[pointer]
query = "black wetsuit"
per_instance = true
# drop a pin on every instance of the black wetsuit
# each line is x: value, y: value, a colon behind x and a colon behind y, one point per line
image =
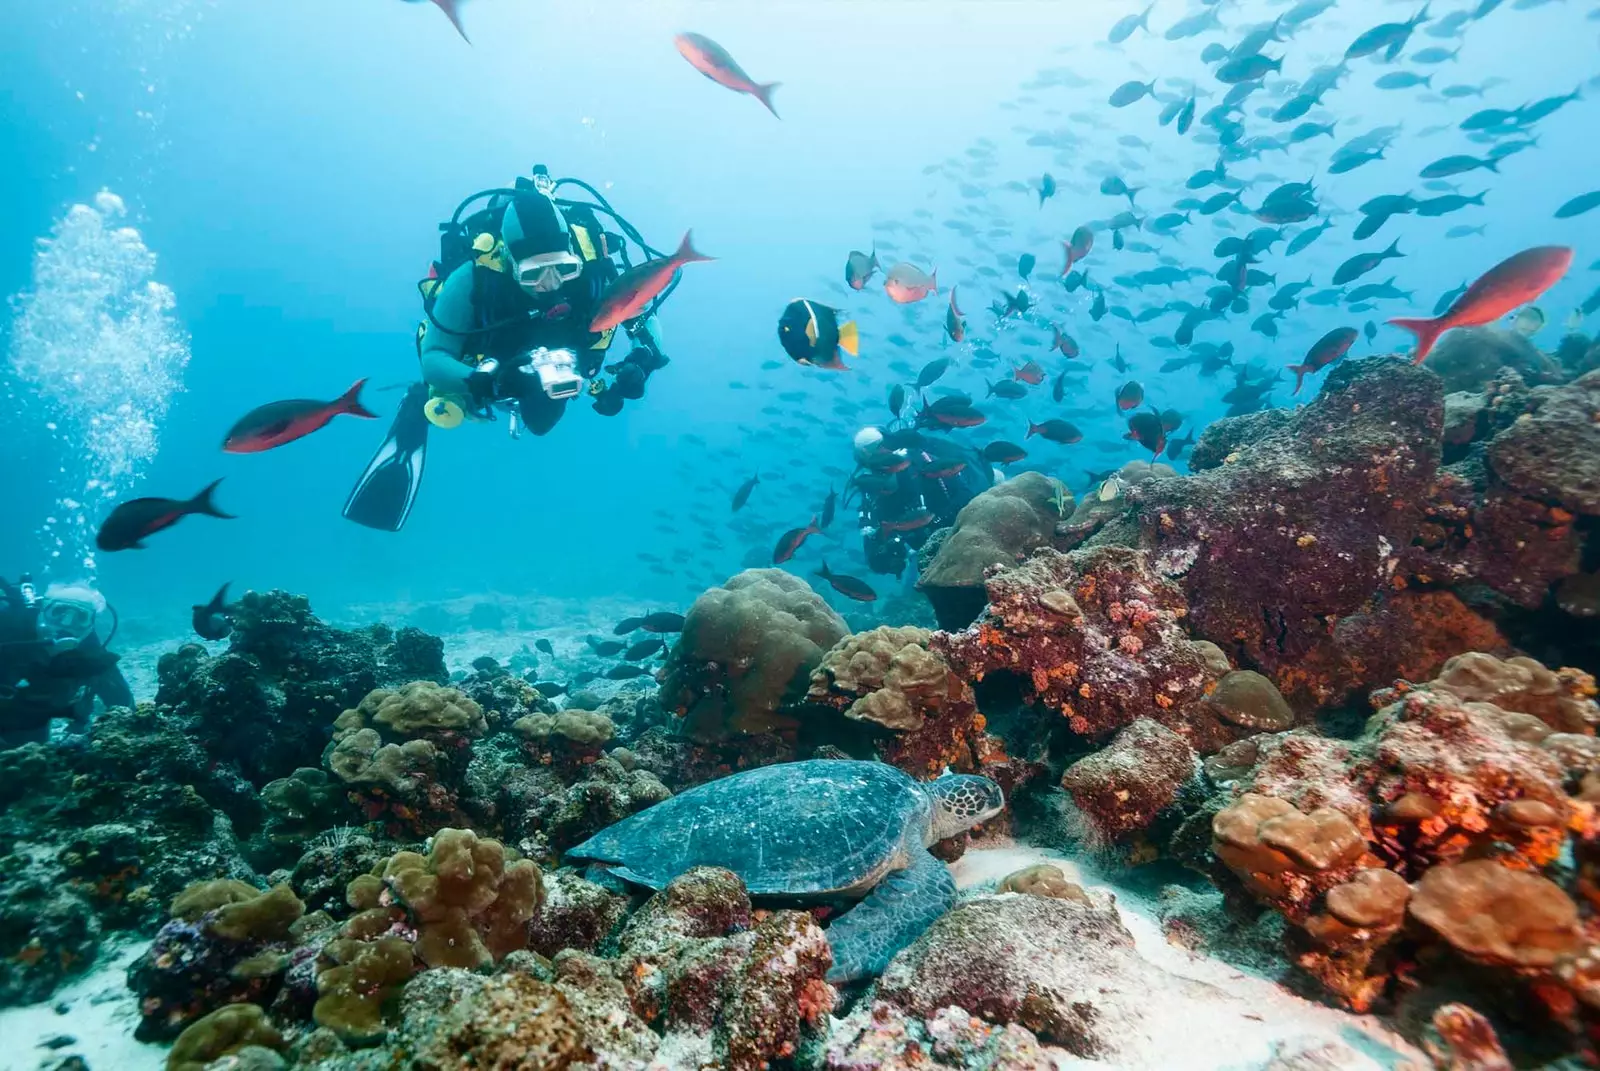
x: 915, y: 493
x: 40, y: 682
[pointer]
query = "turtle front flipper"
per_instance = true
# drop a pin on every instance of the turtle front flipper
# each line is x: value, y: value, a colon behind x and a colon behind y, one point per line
x: 894, y: 914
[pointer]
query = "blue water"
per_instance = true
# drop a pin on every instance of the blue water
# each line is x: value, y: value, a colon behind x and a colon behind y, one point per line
x: 288, y: 162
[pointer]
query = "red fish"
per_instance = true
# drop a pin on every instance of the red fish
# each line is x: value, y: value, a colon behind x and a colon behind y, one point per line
x: 945, y: 471
x: 790, y: 541
x: 1130, y: 395
x: 1064, y: 342
x: 132, y: 521
x: 1328, y: 348
x: 954, y: 325
x: 713, y: 61
x: 1029, y: 373
x: 638, y: 286
x: 1508, y: 285
x: 276, y: 423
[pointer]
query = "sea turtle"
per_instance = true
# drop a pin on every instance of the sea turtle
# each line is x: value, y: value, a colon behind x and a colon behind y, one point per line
x: 817, y: 830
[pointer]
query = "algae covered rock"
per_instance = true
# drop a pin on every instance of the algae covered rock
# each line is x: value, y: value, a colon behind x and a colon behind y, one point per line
x: 1120, y: 789
x: 1001, y: 526
x: 1468, y: 358
x: 222, y: 1033
x: 1553, y: 453
x: 1299, y: 524
x: 1094, y: 635
x: 747, y: 647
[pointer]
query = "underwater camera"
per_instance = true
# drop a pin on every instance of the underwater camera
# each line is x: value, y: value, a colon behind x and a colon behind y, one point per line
x: 557, y: 371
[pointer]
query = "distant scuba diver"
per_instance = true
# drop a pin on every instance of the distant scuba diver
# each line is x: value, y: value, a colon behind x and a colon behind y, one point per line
x: 507, y: 313
x: 53, y: 663
x: 910, y: 485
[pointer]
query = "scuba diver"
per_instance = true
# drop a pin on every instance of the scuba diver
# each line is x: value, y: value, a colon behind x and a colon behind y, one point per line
x: 911, y: 485
x: 507, y: 308
x: 53, y: 663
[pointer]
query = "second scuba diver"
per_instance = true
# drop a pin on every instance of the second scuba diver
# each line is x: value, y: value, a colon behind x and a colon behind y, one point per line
x: 911, y: 485
x: 53, y: 663
x: 507, y: 312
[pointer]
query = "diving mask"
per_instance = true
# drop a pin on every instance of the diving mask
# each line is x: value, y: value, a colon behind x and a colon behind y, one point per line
x: 545, y: 273
x: 65, y: 622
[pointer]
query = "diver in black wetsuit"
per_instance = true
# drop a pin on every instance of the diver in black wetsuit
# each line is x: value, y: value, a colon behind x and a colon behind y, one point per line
x: 508, y: 307
x: 911, y: 485
x: 53, y: 663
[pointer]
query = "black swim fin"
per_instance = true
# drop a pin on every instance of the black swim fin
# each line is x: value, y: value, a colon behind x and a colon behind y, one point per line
x: 384, y: 495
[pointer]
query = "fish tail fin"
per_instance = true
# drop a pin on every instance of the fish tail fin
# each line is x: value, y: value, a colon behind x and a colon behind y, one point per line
x: 350, y: 401
x: 1032, y: 429
x: 687, y: 253
x: 823, y: 572
x: 1394, y: 249
x: 850, y: 338
x: 762, y: 91
x: 1492, y: 164
x: 811, y: 525
x: 220, y: 599
x: 201, y: 503
x: 1299, y: 371
x: 1427, y: 332
x: 933, y: 280
x: 452, y: 12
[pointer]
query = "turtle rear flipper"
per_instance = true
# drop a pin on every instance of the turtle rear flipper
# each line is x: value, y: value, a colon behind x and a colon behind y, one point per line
x: 894, y: 914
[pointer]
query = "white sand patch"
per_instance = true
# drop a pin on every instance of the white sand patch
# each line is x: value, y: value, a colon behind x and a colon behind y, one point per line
x: 100, y: 1015
x: 1232, y: 1020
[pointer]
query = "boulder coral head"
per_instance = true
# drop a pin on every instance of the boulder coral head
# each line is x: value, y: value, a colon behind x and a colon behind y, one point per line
x: 1001, y: 526
x: 747, y: 647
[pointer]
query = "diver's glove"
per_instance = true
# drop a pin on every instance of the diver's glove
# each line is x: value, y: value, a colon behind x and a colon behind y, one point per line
x: 642, y: 358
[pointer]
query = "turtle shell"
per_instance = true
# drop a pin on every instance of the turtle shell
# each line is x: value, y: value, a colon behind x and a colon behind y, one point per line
x: 816, y: 827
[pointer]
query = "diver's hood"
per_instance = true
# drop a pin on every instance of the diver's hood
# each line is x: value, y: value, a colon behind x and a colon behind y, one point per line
x: 867, y: 443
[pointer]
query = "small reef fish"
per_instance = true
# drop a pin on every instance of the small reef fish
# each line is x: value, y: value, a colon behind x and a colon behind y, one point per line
x: 662, y: 621
x: 848, y: 586
x: 276, y: 423
x: 1130, y: 395
x: 713, y: 61
x: 132, y: 522
x: 1514, y: 282
x: 907, y: 283
x: 1057, y: 431
x: 811, y: 334
x: 741, y: 496
x: 1327, y: 349
x: 859, y: 268
x: 212, y: 621
x: 638, y: 286
x: 790, y: 541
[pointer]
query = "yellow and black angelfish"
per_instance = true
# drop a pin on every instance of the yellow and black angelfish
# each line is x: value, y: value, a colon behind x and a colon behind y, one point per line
x: 812, y: 334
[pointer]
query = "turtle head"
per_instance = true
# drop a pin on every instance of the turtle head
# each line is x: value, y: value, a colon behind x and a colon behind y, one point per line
x: 961, y: 801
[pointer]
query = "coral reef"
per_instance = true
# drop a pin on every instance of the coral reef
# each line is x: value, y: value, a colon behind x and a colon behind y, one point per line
x: 222, y: 1033
x: 888, y: 677
x: 746, y: 648
x: 403, y: 754
x: 1095, y: 636
x: 227, y: 942
x: 1440, y: 829
x: 265, y: 703
x: 1001, y: 526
